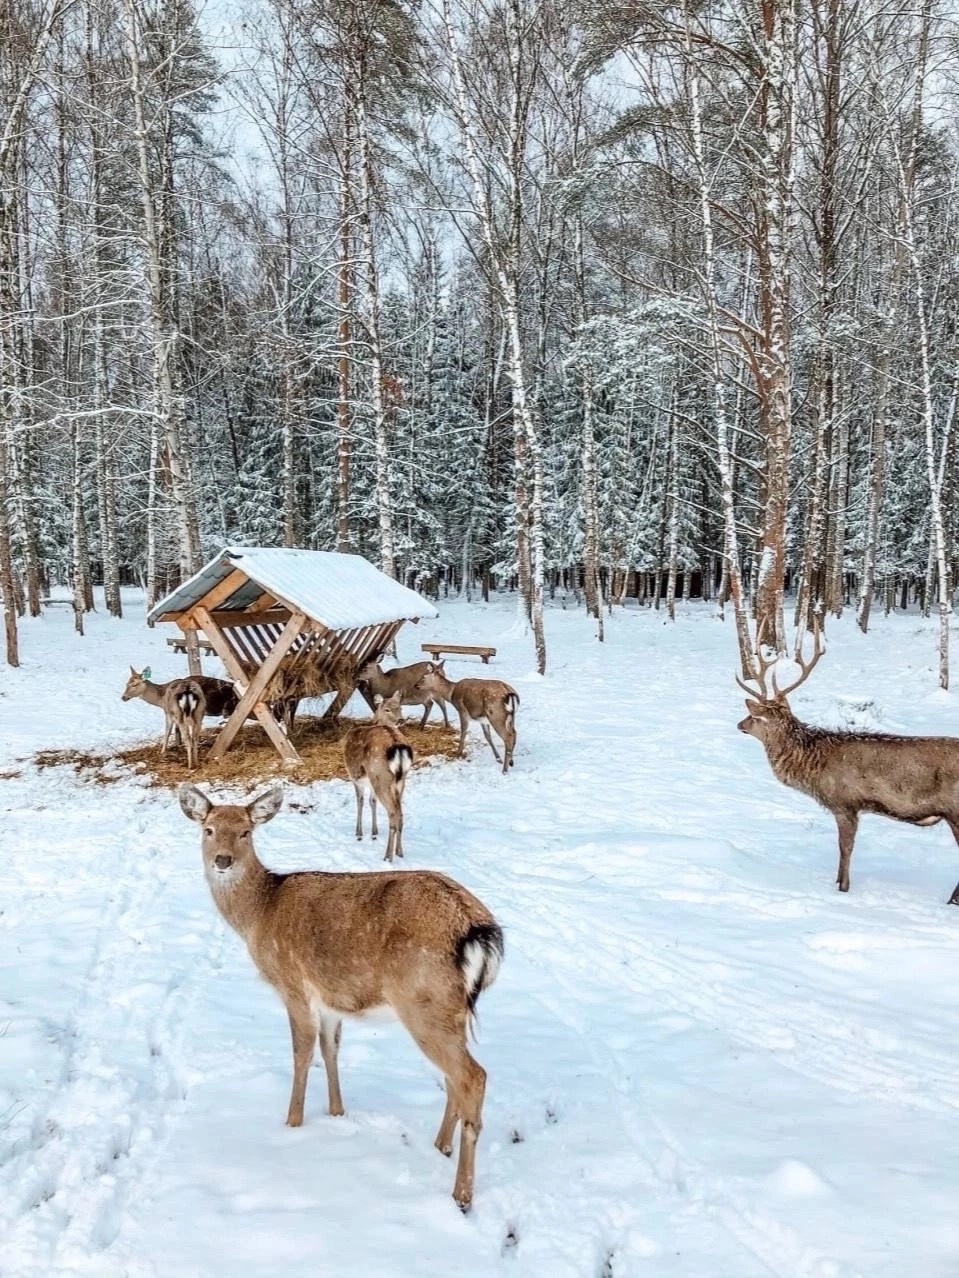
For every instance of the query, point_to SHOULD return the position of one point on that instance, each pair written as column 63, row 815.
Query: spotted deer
column 335, row 945
column 490, row 702
column 378, row 758
column 910, row 779
column 183, row 702
column 405, row 680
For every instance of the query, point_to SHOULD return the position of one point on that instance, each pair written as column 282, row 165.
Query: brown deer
column 490, row 702
column 335, row 945
column 911, row 779
column 183, row 702
column 405, row 680
column 378, row 757
column 183, row 707
column 220, row 694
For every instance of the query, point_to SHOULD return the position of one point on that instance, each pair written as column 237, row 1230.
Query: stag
column 910, row 779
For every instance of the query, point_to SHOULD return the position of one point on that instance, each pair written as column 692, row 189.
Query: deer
column 910, row 779
column 405, row 680
column 220, row 694
column 183, row 707
column 183, row 702
column 490, row 702
column 339, row 944
column 378, row 758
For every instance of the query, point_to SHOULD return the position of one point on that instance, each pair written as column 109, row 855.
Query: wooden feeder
column 312, row 611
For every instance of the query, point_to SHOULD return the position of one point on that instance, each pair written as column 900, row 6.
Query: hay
column 251, row 759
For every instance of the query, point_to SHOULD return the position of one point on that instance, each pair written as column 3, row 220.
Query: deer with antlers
column 335, row 945
column 911, row 779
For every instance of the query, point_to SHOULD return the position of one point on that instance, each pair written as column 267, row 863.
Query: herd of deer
column 334, row 945
column 422, row 945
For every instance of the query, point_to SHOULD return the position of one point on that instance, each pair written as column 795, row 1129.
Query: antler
column 767, row 664
column 806, row 667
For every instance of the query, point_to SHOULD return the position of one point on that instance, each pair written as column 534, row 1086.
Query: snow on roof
column 342, row 592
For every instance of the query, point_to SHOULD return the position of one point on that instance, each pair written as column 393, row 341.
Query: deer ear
column 194, row 802
column 377, row 699
column 265, row 806
column 755, row 708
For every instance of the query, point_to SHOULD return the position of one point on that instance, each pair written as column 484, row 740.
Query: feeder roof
column 340, row 591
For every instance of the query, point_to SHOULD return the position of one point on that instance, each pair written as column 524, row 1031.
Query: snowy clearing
column 703, row 1061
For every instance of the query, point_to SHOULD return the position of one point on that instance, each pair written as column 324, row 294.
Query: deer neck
column 444, row 686
column 152, row 694
column 792, row 756
column 242, row 896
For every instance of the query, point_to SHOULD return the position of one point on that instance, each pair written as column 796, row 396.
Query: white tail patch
column 399, row 760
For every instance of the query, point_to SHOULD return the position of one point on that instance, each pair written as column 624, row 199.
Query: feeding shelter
column 310, row 618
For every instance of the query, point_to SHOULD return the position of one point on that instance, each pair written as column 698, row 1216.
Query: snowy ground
column 703, row 1061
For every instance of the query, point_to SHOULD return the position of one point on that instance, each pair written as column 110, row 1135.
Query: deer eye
column 245, row 834
column 209, row 831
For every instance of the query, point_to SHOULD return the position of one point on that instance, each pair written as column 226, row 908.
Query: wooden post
column 251, row 698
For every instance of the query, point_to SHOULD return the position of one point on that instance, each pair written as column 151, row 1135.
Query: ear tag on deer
column 147, row 673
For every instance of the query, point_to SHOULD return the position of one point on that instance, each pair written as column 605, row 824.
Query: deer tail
column 399, row 759
column 479, row 953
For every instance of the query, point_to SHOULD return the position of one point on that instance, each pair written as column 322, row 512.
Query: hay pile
column 250, row 760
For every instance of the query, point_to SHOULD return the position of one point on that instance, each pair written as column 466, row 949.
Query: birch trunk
column 158, row 235
column 372, row 324
column 733, row 585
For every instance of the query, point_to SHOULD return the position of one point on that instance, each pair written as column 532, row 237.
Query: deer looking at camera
column 911, row 779
column 490, row 702
column 378, row 758
column 335, row 945
column 183, row 702
column 405, row 680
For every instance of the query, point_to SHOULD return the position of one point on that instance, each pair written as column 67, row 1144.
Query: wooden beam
column 252, row 698
column 231, row 583
column 230, row 620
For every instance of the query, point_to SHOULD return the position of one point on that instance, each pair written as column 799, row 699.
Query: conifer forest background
column 606, row 300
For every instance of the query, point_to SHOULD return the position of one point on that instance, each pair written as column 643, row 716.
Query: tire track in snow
column 118, row 1082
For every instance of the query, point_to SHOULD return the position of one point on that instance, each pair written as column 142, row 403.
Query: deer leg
column 465, row 1085
column 426, row 713
column 358, row 789
column 447, row 1131
column 847, row 823
column 484, row 724
column 446, row 722
column 464, row 724
column 374, row 832
column 954, row 827
column 168, row 725
column 303, row 1032
column 330, row 1029
column 396, row 821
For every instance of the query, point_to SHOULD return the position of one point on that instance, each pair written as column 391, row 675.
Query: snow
column 343, row 591
column 703, row 1060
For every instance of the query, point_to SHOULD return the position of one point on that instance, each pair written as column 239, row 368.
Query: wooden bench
column 179, row 645
column 459, row 649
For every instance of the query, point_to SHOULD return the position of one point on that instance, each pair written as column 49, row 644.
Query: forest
column 610, row 299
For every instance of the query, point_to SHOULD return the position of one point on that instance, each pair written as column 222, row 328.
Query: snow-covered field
column 703, row 1061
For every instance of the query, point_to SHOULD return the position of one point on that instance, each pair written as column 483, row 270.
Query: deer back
column 351, row 942
column 404, row 680
column 481, row 698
